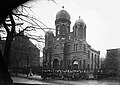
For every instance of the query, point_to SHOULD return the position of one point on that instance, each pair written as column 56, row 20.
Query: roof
column 63, row 14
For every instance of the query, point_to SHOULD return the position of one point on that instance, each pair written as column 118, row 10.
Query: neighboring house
column 112, row 61
column 23, row 52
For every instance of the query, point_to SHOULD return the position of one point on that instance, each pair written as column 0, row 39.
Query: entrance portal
column 75, row 65
column 56, row 64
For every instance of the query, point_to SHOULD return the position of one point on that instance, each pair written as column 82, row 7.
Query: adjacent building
column 113, row 59
column 69, row 50
column 23, row 52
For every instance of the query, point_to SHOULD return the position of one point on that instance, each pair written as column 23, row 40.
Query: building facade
column 66, row 49
column 23, row 52
column 112, row 61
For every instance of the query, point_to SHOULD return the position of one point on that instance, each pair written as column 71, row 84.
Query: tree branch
column 12, row 22
column 36, row 39
column 32, row 19
column 6, row 27
column 22, row 31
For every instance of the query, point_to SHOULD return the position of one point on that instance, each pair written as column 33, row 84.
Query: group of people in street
column 71, row 74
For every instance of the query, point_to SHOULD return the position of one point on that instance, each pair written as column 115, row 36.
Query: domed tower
column 62, row 23
column 79, row 29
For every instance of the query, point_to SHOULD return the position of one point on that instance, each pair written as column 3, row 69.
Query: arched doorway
column 56, row 64
column 75, row 65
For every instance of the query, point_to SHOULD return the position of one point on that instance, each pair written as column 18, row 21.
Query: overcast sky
column 102, row 18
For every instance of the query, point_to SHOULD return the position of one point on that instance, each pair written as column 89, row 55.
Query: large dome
column 63, row 14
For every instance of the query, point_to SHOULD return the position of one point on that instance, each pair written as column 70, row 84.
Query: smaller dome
column 63, row 14
column 79, row 22
column 49, row 32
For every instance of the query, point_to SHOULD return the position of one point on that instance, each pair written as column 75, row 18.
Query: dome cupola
column 62, row 14
column 62, row 23
column 79, row 29
column 80, row 22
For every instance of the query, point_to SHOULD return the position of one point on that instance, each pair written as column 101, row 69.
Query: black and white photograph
column 59, row 42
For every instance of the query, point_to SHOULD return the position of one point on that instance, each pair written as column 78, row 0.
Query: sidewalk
column 34, row 77
column 38, row 78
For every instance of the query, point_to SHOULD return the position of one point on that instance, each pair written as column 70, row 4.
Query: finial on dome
column 79, row 17
column 63, row 7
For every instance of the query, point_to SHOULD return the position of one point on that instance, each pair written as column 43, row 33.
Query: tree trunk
column 4, row 74
column 7, row 48
column 6, row 57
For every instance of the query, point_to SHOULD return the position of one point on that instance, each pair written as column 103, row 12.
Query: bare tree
column 11, row 29
column 8, row 21
column 6, row 6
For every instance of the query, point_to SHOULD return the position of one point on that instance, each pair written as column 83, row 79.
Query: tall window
column 98, row 61
column 57, row 46
column 84, row 48
column 75, row 31
column 80, row 46
column 95, row 61
column 80, row 64
column 69, row 37
column 84, row 62
column 76, row 46
column 58, row 30
column 92, row 61
column 88, row 54
column 68, row 48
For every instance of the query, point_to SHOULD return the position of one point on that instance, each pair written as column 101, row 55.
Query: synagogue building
column 69, row 50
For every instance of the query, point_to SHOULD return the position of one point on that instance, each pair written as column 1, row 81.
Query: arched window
column 56, row 64
column 75, row 62
column 75, row 65
column 57, row 46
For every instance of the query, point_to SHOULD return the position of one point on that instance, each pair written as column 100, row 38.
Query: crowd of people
column 71, row 74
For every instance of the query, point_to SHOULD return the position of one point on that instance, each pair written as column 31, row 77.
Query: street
column 28, row 81
column 89, row 82
column 63, row 82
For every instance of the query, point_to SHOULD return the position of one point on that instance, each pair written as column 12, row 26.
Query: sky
column 102, row 18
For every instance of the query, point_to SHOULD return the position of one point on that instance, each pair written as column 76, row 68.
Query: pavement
column 36, row 79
